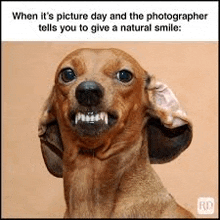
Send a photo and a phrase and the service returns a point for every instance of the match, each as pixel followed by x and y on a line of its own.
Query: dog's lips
pixel 92 123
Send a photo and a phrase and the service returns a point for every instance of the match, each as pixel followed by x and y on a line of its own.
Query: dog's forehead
pixel 94 57
pixel 99 58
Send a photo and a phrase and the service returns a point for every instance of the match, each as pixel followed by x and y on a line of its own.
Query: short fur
pixel 109 173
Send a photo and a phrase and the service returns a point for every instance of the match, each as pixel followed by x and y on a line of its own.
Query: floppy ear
pixel 50 138
pixel 168 128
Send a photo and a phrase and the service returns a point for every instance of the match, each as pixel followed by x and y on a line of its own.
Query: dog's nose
pixel 89 93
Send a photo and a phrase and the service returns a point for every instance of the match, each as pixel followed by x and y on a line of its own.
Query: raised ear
pixel 169 130
pixel 50 139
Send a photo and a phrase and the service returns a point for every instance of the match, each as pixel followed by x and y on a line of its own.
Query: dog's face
pixel 100 94
pixel 104 101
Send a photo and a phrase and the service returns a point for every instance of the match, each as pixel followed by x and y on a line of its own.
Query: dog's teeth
pixel 77 118
pixel 83 117
pixel 102 116
pixel 97 117
pixel 106 118
pixel 92 117
pixel 87 118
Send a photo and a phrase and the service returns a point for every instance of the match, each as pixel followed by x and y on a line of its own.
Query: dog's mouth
pixel 93 123
pixel 91 117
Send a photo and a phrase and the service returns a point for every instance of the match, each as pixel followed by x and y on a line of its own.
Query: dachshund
pixel 105 122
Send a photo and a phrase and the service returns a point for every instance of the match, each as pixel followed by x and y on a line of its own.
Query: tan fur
pixel 118 180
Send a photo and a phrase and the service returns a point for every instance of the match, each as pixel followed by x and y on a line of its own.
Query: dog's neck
pixel 93 186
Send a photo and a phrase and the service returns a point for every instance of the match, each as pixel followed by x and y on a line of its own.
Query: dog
pixel 105 122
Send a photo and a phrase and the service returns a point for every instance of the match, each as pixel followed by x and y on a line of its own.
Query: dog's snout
pixel 89 93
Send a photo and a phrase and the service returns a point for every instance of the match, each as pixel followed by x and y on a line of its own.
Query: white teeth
pixel 102 116
pixel 91 118
pixel 106 119
pixel 83 117
pixel 78 116
pixel 97 117
pixel 87 118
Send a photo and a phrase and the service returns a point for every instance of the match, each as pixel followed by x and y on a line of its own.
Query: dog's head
pixel 102 98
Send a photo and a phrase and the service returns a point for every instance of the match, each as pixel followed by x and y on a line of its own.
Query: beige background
pixel 190 69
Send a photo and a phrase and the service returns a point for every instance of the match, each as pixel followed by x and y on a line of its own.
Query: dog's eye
pixel 124 76
pixel 67 75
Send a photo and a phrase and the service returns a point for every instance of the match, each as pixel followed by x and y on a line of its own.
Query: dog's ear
pixel 168 128
pixel 50 138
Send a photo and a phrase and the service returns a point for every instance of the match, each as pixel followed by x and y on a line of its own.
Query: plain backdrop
pixel 189 68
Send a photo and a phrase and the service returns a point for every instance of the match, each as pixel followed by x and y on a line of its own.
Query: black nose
pixel 89 93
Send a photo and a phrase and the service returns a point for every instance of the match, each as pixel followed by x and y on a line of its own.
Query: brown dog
pixel 104 123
